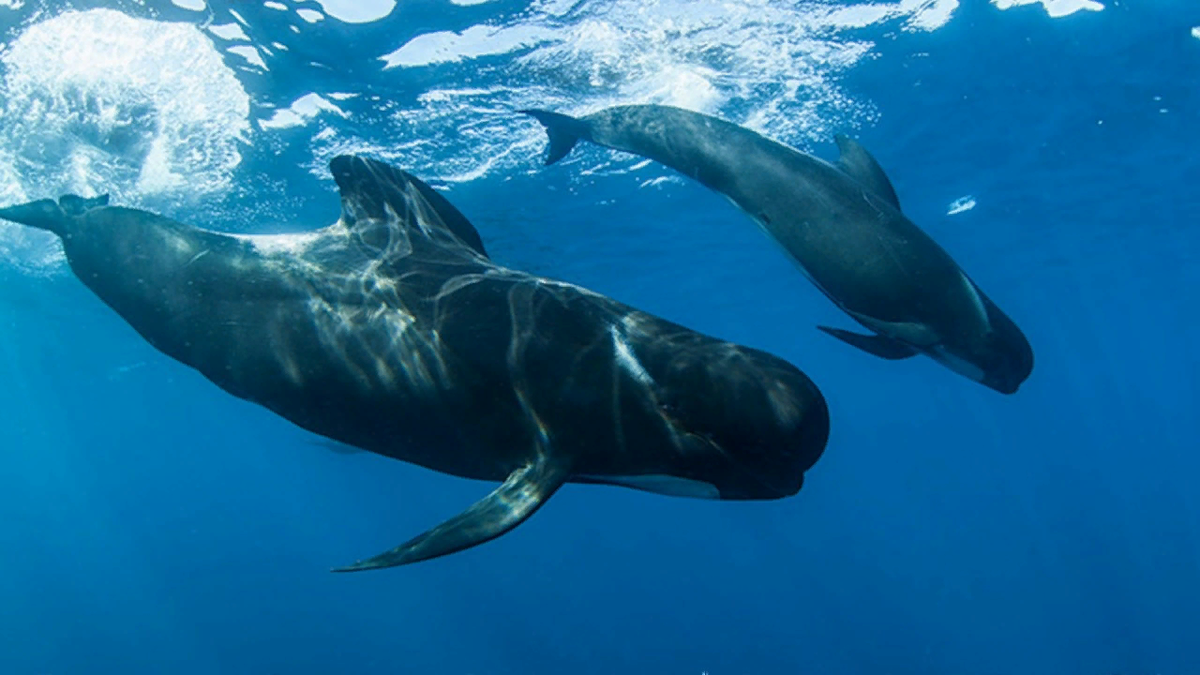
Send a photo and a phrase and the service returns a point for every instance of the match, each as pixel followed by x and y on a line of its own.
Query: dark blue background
pixel 150 523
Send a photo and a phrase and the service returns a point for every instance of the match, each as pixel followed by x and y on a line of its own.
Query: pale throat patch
pixel 671 486
pixel 957 364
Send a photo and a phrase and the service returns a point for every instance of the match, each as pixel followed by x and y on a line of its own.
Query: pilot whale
pixel 840 223
pixel 392 331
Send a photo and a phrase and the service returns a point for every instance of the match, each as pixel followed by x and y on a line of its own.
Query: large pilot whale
pixel 392 331
pixel 840 223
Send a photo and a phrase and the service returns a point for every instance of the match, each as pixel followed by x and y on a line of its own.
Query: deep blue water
pixel 150 523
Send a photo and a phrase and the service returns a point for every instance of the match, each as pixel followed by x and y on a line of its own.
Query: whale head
pixel 742 421
pixel 997 356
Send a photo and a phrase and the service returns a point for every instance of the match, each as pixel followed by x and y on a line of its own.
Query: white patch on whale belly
pixel 957 364
pixel 671 486
pixel 627 359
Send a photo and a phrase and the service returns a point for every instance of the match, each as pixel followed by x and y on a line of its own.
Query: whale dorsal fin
pixel 369 186
pixel 74 205
pixel 862 167
pixel 509 505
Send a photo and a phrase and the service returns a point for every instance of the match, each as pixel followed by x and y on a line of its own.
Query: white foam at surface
pixel 98 101
pixel 922 14
pixel 357 11
pixel 1196 32
pixel 194 5
pixel 772 65
pixel 250 54
pixel 934 15
pixel 310 15
pixel 468 3
pixel 960 205
pixel 302 109
pixel 1055 8
pixel 282 119
pixel 229 31
pixel 476 41
pixel 702 55
pixel 310 104
pixel 270 4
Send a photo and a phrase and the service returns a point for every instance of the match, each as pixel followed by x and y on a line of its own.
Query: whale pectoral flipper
pixel 523 493
pixel 564 132
pixel 337 447
pixel 878 345
pixel 857 163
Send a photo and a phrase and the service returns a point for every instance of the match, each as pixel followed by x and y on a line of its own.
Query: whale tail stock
pixel 564 132
pixel 49 215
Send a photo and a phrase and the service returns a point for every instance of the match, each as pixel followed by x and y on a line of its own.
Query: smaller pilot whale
pixel 840 223
pixel 393 332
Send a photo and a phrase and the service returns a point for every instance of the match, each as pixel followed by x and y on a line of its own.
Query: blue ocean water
pixel 150 523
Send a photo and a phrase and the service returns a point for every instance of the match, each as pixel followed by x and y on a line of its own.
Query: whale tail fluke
pixel 47 214
pixel 564 132
pixel 44 214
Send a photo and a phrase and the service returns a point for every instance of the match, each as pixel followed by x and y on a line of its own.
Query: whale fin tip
pixel 522 493
pixel 74 205
pixel 563 131
pixel 857 163
pixel 44 214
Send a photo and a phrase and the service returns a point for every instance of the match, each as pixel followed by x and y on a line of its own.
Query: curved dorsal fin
pixel 74 205
pixel 370 186
pixel 862 167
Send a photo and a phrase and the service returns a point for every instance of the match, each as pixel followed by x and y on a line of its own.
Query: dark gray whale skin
pixel 392 331
pixel 840 223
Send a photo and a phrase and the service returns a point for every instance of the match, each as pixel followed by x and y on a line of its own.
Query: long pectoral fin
pixel 883 347
pixel 525 490
pixel 337 446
